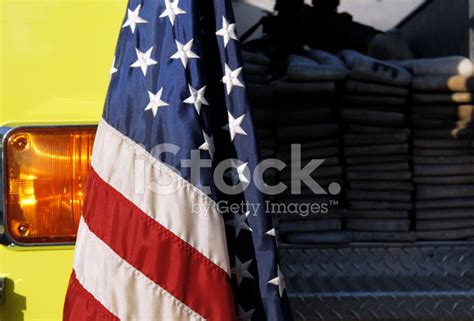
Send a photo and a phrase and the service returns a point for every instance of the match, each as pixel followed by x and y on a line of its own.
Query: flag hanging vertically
pixel 152 243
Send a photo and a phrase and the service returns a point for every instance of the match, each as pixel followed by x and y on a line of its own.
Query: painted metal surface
pixel 55 57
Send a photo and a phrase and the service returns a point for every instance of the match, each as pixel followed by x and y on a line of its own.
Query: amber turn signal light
pixel 45 172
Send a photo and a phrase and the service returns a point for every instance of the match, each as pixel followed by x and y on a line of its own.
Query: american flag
pixel 152 243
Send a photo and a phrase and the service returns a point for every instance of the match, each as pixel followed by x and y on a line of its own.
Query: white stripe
pixel 187 212
pixel 119 287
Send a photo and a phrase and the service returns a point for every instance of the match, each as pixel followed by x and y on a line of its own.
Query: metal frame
pixel 3 238
pixel 5 132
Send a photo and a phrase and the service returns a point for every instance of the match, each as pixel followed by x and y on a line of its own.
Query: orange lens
pixel 45 176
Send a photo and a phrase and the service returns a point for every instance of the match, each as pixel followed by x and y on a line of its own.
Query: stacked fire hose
pixel 395 137
pixel 443 152
pixel 376 150
pixel 307 117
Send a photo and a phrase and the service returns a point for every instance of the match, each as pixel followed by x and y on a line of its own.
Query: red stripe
pixel 163 257
pixel 81 305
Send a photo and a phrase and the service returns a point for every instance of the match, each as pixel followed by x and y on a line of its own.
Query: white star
pixel 227 31
pixel 241 171
pixel 271 232
pixel 113 70
pixel 245 315
pixel 231 172
pixel 234 126
pixel 241 270
pixel 184 52
pixel 197 98
pixel 279 281
pixel 144 60
pixel 172 10
pixel 133 19
pixel 155 101
pixel 231 78
pixel 208 144
pixel 238 222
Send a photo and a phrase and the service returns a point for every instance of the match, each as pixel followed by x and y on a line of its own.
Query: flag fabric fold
pixel 153 241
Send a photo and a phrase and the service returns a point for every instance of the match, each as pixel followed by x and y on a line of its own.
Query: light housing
pixel 45 172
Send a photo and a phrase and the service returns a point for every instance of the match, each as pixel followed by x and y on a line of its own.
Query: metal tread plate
pixel 421 282
pixel 365 306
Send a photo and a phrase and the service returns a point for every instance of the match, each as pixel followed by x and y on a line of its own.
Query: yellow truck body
pixel 54 70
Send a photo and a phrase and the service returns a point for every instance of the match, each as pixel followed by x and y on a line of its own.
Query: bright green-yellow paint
pixel 36 284
pixel 55 57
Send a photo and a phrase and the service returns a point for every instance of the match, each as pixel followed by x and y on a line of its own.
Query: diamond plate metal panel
pixel 422 282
